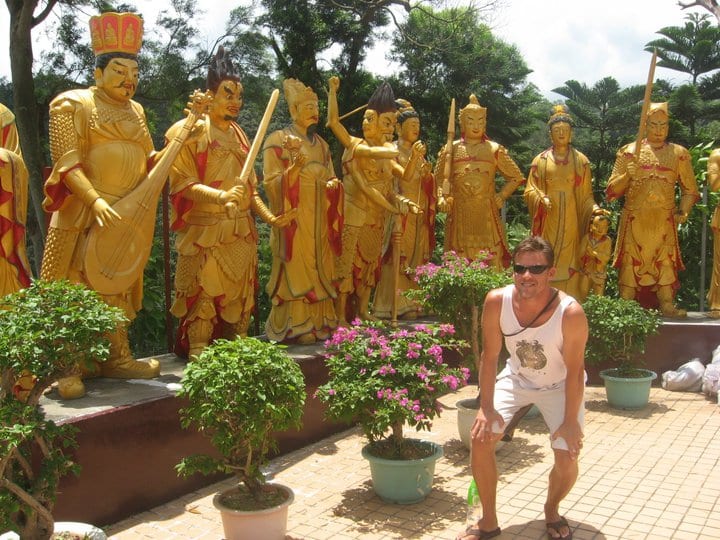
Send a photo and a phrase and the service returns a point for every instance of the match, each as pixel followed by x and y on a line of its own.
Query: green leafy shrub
pixel 618 330
pixel 239 393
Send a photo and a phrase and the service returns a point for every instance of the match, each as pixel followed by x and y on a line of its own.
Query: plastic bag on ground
pixel 687 378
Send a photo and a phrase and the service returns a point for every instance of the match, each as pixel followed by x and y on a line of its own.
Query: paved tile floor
pixel 653 473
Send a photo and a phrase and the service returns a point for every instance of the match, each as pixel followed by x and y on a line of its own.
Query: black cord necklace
pixel 543 310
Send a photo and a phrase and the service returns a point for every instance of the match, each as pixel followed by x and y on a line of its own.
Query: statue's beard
pixel 311 131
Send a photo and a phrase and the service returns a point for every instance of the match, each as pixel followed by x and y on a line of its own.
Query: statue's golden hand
pixel 298 161
pixel 332 184
pixel 680 216
pixel 104 214
pixel 631 168
pixel 233 195
pixel 547 203
pixel 334 83
pixel 499 201
pixel 283 220
pixel 413 208
pixel 445 204
pixel 419 149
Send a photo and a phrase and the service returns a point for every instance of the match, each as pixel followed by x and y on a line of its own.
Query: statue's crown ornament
pixel 296 92
pixel 658 108
pixel 116 33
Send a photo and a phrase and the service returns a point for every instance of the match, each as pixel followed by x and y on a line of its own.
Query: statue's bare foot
pixel 306 339
pixel 71 388
pixel 669 310
pixel 365 316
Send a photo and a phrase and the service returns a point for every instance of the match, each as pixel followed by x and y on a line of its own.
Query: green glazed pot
pixel 628 393
pixel 403 481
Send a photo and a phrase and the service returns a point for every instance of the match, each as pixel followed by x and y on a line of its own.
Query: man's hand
pixel 573 435
pixel 484 421
pixel 104 213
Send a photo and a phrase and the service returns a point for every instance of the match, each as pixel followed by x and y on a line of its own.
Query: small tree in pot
pixel 45 330
pixel 239 393
pixel 618 330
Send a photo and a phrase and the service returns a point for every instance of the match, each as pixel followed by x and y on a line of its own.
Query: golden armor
pixel 595 253
pixel 713 179
pixel 468 194
pixel 101 148
pixel 213 216
pixel 369 166
pixel 299 174
pixel 560 200
pixel 647 252
pixel 417 239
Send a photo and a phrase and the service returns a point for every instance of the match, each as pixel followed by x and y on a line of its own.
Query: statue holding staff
pixel 713 180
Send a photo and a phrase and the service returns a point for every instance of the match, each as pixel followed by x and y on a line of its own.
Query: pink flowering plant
pixel 451 289
pixel 385 378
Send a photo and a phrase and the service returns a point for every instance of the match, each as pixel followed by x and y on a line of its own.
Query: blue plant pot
pixel 628 393
pixel 403 481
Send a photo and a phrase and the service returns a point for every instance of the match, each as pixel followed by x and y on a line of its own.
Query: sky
pixel 559 39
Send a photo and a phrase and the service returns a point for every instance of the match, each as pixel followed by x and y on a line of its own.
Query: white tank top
pixel 536 360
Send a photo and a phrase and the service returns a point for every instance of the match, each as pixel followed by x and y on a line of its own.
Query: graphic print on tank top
pixel 530 354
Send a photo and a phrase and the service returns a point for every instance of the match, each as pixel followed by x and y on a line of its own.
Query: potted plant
pixel 386 378
pixel 45 330
pixel 618 329
pixel 239 392
pixel 455 292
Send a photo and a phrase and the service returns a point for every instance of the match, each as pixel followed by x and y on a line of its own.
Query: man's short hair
pixel 535 244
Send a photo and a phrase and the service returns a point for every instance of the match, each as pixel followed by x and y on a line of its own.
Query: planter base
pixel 268 524
pixel 628 393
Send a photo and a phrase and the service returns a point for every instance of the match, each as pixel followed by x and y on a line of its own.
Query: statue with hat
pixel 648 173
pixel 369 167
pixel 104 186
pixel 299 175
pixel 560 200
pixel 466 171
pixel 417 231
pixel 214 196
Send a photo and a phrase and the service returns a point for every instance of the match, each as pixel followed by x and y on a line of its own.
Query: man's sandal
pixel 555 527
pixel 473 533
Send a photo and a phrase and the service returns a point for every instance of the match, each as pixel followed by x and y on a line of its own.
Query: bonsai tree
pixel 239 393
pixel 618 329
pixel 45 330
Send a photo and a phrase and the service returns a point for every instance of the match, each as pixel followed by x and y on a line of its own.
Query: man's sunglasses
pixel 534 268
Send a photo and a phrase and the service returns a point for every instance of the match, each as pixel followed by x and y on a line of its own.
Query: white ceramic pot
pixel 85 530
pixel 466 413
pixel 268 524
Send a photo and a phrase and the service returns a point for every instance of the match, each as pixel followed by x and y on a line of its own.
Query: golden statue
pixel 647 252
pixel 595 253
pixel 417 241
pixel 214 196
pixel 299 174
pixel 713 180
pixel 15 271
pixel 369 166
pixel 560 199
pixel 100 192
pixel 467 168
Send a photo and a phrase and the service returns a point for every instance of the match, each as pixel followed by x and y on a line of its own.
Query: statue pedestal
pixel 129 440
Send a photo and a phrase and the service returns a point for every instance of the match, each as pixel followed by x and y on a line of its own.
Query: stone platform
pixel 130 436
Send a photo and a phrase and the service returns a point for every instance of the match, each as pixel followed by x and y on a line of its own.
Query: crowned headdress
pixel 296 92
pixel 116 33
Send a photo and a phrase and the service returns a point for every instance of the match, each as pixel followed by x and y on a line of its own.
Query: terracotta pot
pixel 267 524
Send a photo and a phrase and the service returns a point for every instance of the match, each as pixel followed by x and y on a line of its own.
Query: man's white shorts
pixel 511 397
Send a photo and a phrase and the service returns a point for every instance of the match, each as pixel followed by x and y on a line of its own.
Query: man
pixel 216 273
pixel 369 166
pixel 713 180
pixel 101 150
pixel 647 251
pixel 468 196
pixel 301 176
pixel 560 199
pixel 545 332
pixel 418 230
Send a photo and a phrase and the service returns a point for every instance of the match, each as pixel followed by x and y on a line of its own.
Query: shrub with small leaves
pixel 239 393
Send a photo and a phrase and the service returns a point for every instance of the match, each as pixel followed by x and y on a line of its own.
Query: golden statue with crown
pixel 713 181
pixel 466 170
pixel 104 186
pixel 560 200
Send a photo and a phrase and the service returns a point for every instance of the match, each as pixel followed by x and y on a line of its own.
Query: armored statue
pixel 466 170
pixel 713 180
pixel 647 252
pixel 560 199
pixel 417 239
pixel 369 166
pixel 595 253
pixel 299 174
pixel 101 151
pixel 213 216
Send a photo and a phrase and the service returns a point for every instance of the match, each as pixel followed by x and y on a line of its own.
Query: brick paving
pixel 645 474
